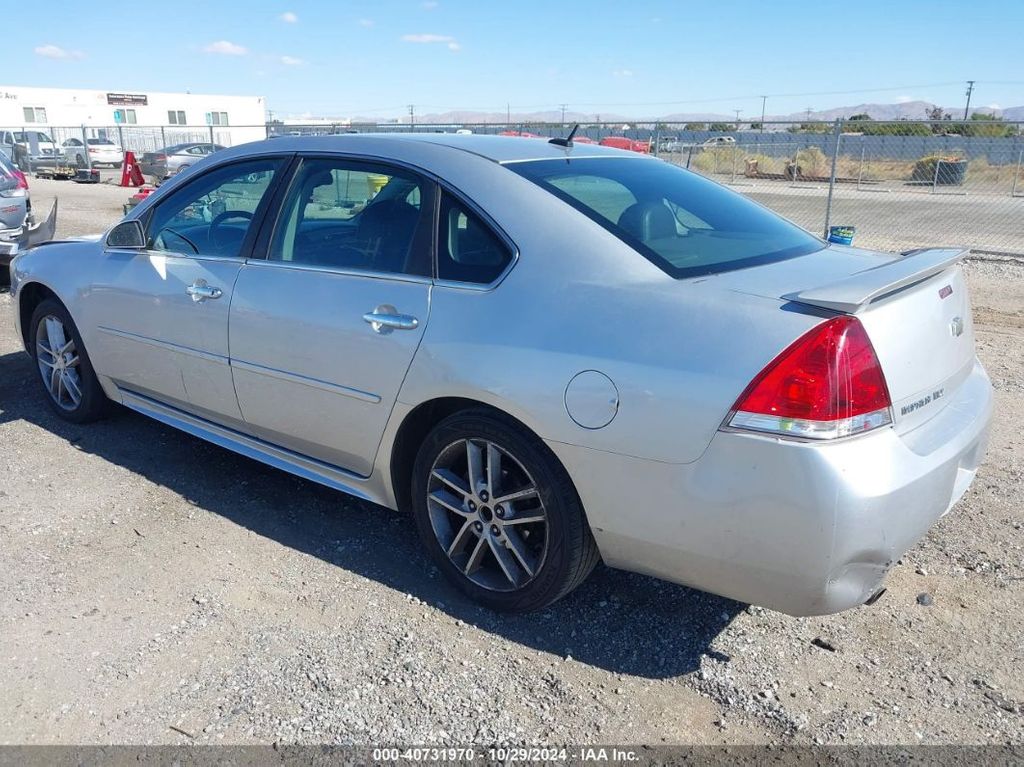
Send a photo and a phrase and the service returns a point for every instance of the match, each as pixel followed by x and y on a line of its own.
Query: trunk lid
pixel 915 309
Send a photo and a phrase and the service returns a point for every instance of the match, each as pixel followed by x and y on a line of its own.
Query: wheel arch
pixel 418 423
pixel 30 295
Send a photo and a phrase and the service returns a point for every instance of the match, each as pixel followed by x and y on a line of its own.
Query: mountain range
pixel 909 110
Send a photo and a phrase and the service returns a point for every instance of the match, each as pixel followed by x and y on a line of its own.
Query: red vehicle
pixel 523 134
pixel 621 142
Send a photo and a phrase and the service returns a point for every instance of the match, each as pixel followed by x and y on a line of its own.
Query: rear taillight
pixel 159 158
pixel 827 384
pixel 22 179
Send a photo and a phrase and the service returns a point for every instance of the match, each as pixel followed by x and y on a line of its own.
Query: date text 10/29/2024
pixel 506 754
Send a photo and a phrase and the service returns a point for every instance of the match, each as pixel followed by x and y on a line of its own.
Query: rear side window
pixel 468 249
pixel 350 215
pixel 684 224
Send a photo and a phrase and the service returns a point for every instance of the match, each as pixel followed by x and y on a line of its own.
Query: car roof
pixel 500 149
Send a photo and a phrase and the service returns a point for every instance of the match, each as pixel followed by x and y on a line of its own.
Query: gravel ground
pixel 158 589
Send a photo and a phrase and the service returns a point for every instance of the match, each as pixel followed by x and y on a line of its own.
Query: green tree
pixel 987 125
pixel 695 126
pixel 722 127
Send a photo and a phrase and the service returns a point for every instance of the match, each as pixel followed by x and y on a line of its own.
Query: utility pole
pixel 809 110
pixel 508 115
pixel 764 100
pixel 737 111
pixel 563 106
pixel 970 89
pixel 412 115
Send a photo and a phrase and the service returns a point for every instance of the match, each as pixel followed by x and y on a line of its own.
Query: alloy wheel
pixel 58 362
pixel 487 514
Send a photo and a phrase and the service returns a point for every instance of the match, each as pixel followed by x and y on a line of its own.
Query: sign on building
pixel 128 99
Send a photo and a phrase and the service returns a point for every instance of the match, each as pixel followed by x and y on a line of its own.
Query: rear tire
pixel 508 553
pixel 64 370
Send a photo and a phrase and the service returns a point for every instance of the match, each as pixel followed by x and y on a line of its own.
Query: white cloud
pixel 622 73
pixel 430 5
pixel 366 22
pixel 226 48
pixel 292 61
pixel 449 42
pixel 428 38
pixel 56 52
pixel 288 17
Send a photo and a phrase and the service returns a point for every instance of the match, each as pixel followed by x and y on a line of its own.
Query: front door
pixel 161 313
pixel 324 329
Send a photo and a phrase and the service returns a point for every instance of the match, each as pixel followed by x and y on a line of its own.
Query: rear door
pixel 324 329
pixel 162 312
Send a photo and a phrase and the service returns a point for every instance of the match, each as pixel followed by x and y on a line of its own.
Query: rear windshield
pixel 683 223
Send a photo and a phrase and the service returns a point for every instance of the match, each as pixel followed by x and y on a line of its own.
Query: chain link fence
pixel 901 184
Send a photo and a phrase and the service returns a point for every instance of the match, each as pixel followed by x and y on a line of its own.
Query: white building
pixel 141 120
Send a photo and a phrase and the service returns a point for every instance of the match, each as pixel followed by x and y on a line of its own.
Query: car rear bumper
pixel 153 169
pixel 804 528
pixel 12 242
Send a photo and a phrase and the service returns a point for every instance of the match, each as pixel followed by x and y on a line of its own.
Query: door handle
pixel 200 291
pixel 386 318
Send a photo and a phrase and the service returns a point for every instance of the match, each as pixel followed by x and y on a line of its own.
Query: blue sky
pixel 633 57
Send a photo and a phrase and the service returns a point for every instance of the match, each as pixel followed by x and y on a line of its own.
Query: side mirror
pixel 127 234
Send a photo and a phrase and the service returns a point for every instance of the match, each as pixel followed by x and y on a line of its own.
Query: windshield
pixel 683 223
pixel 38 135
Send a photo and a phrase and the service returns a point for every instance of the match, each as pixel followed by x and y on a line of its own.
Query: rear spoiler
pixel 851 294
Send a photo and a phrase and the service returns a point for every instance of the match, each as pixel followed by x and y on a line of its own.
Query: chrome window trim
pixel 189 256
pixel 444 187
pixel 299 159
pixel 266 263
pixel 490 223
pixel 151 204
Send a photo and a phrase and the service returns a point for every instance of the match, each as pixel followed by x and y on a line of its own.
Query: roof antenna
pixel 567 141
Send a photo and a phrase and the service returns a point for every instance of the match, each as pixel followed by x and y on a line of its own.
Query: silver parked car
pixel 547 353
pixel 18 229
pixel 174 159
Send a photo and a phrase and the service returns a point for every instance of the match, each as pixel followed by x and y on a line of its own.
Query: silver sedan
pixel 548 354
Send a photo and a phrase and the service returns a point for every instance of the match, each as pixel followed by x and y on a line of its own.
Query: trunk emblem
pixel 956 327
pixel 945 292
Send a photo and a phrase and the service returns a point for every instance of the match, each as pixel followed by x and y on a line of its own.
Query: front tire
pixel 498 513
pixel 65 371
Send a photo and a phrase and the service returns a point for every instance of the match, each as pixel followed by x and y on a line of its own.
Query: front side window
pixel 211 215
pixel 468 250
pixel 349 215
pixel 683 223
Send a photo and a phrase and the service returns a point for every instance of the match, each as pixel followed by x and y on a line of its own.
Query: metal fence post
pixel 1016 175
pixel 85 148
pixel 211 135
pixel 935 178
pixel 163 138
pixel 120 136
pixel 838 131
pixel 860 171
pixel 689 157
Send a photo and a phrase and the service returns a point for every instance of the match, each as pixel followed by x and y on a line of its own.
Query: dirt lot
pixel 158 589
